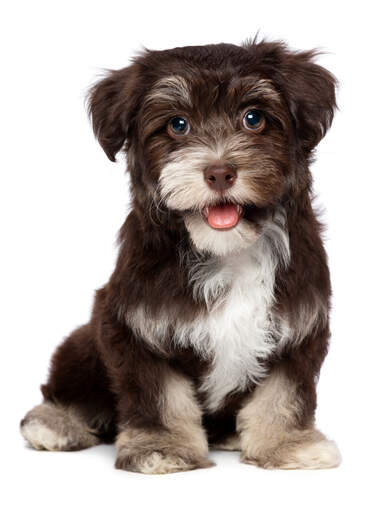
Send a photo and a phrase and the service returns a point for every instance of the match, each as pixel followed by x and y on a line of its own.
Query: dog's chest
pixel 235 333
pixel 238 331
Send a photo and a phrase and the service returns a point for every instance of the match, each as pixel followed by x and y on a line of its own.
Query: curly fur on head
pixel 214 324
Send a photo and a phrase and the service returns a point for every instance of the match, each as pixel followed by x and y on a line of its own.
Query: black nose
pixel 220 177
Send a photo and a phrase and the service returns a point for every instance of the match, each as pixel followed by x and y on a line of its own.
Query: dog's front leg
pixel 276 423
pixel 159 418
pixel 173 441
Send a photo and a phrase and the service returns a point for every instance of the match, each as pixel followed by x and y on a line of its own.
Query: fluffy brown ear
pixel 310 91
pixel 111 106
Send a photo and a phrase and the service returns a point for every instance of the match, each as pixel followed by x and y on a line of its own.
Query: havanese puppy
pixel 214 325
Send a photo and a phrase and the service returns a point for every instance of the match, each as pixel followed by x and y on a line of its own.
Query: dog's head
pixel 215 134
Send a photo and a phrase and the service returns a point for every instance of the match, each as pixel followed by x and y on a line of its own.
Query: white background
pixel 62 203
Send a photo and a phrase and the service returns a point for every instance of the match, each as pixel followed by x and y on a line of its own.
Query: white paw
pixel 158 464
pixel 41 437
pixel 322 454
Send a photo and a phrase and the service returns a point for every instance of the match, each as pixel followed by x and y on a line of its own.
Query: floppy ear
pixel 310 91
pixel 111 105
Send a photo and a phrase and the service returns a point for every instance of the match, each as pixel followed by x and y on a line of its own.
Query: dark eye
pixel 254 120
pixel 179 126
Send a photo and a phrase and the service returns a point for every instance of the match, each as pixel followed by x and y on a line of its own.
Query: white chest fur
pixel 236 332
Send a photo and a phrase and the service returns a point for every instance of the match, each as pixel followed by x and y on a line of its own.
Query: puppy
pixel 214 325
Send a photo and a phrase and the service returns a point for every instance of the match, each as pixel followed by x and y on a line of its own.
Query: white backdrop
pixel 62 203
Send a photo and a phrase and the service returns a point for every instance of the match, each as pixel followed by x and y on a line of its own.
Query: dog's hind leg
pixel 78 409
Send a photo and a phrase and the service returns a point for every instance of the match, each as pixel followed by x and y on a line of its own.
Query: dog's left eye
pixel 178 126
pixel 254 120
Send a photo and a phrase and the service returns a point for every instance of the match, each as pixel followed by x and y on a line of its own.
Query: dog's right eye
pixel 254 120
pixel 178 126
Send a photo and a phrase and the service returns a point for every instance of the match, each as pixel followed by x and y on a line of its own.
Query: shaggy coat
pixel 205 336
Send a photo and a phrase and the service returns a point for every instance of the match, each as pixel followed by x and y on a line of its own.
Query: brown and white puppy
pixel 214 325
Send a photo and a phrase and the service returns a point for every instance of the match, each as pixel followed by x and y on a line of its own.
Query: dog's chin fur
pixel 205 336
pixel 220 242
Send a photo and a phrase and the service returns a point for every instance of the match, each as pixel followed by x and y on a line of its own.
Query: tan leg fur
pixel 181 446
pixel 269 433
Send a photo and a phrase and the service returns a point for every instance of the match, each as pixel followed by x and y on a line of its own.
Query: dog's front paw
pixel 318 454
pixel 161 452
pixel 158 463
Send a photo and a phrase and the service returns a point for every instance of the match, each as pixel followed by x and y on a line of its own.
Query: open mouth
pixel 223 216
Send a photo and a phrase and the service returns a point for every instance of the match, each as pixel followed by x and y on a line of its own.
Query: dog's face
pixel 216 134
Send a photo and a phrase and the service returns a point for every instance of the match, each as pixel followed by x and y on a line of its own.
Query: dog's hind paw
pixel 55 428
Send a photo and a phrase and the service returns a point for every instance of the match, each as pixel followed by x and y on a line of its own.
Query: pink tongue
pixel 223 216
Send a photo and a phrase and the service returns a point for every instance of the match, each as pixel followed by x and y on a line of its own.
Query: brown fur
pixel 105 369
